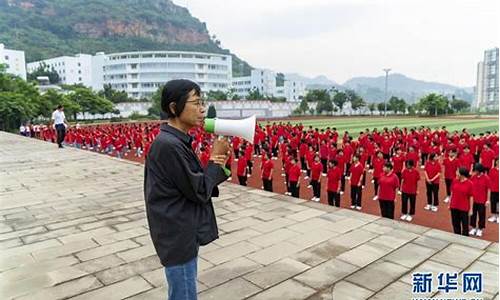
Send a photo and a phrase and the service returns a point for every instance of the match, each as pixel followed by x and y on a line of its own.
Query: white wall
pixel 15 61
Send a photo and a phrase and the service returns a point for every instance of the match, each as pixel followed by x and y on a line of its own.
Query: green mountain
pixel 45 29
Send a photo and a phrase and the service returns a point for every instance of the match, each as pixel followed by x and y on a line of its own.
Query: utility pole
pixel 385 97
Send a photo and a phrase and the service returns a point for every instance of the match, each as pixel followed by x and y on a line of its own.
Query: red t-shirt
pixel 356 173
pixel 460 194
pixel 242 166
pixel 487 157
pixel 294 173
pixel 334 175
pixel 267 168
pixel 413 156
pixel 316 169
pixel 410 178
pixel 398 162
pixel 493 174
pixel 466 160
pixel 481 185
pixel 450 168
pixel 432 169
pixel 378 165
pixel 388 183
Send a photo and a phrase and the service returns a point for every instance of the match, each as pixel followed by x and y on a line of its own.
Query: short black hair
pixel 463 172
pixel 388 165
pixel 410 163
pixel 177 91
pixel 478 167
pixel 59 106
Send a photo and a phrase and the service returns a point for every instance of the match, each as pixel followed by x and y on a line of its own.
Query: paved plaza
pixel 73 225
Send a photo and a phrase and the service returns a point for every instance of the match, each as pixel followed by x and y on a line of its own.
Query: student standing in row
pixel 432 175
pixel 481 185
pixel 242 169
pixel 388 185
pixel 450 170
pixel 267 172
pixel 410 177
pixel 378 166
pixel 316 169
pixel 294 178
pixel 356 173
pixel 334 175
pixel 493 174
pixel 461 196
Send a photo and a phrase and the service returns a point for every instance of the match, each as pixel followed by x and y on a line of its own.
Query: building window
pixel 79 78
pixel 79 64
pixel 6 57
pixel 79 71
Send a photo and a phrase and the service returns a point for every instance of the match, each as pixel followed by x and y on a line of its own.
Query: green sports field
pixel 356 124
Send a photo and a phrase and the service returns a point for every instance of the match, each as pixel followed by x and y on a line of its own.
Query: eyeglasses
pixel 198 103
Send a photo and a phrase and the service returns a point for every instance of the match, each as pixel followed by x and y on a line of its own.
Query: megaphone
pixel 244 128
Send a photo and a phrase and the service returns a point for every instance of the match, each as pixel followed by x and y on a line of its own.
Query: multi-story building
pixel 487 81
pixel 14 59
pixel 265 82
pixel 141 73
pixel 71 69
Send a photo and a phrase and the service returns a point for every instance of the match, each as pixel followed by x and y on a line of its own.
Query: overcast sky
pixel 432 40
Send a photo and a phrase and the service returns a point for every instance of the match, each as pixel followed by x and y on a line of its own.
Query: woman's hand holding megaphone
pixel 220 151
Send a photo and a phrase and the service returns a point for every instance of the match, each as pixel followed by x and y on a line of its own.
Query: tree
pixel 14 110
pixel 433 104
pixel 459 105
pixel 339 100
pixel 317 96
pixel 356 101
pixel 303 106
pixel 44 70
pixel 255 95
pixel 381 108
pixel 412 109
pixel 372 107
pixel 396 105
pixel 113 95
pixel 212 113
pixel 216 95
pixel 90 102
pixel 155 109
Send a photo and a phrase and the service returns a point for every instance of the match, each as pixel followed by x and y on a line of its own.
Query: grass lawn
pixel 356 124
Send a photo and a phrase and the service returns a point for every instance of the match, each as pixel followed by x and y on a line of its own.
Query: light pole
pixel 385 97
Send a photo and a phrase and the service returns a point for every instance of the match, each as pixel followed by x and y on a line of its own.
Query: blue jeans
pixel 182 280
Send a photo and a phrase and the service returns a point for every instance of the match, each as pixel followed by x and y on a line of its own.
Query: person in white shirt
pixel 22 130
pixel 60 124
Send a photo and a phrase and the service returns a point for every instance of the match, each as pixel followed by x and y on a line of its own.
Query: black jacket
pixel 178 195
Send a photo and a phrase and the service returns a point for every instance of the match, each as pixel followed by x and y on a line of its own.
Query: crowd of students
pixel 390 158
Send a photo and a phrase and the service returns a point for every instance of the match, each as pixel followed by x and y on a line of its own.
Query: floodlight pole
pixel 385 97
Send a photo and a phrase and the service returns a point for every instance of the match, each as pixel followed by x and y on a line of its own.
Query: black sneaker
pixel 61 146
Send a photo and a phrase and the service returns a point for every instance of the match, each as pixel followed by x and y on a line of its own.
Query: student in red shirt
pixel 388 185
pixel 249 158
pixel 493 174
pixel 309 161
pixel 378 166
pixel 286 167
pixel 316 169
pixel 466 159
pixel 267 172
pixel 356 179
pixel 486 157
pixel 398 161
pixel 295 173
pixel 333 188
pixel 323 152
pixel 341 163
pixel 461 196
pixel 480 187
pixel 450 170
pixel 432 174
pixel 410 177
pixel 242 168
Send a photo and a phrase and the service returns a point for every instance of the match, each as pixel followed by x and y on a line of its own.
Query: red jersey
pixel 294 173
pixel 466 161
pixel 486 157
pixel 432 169
pixel 460 195
pixel 398 162
pixel 334 175
pixel 410 178
pixel 267 168
pixel 316 169
pixel 378 165
pixel 242 166
pixel 388 183
pixel 413 156
pixel 450 168
pixel 356 173
pixel 493 174
pixel 480 186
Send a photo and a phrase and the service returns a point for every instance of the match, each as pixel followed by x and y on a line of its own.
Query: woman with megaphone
pixel 178 190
